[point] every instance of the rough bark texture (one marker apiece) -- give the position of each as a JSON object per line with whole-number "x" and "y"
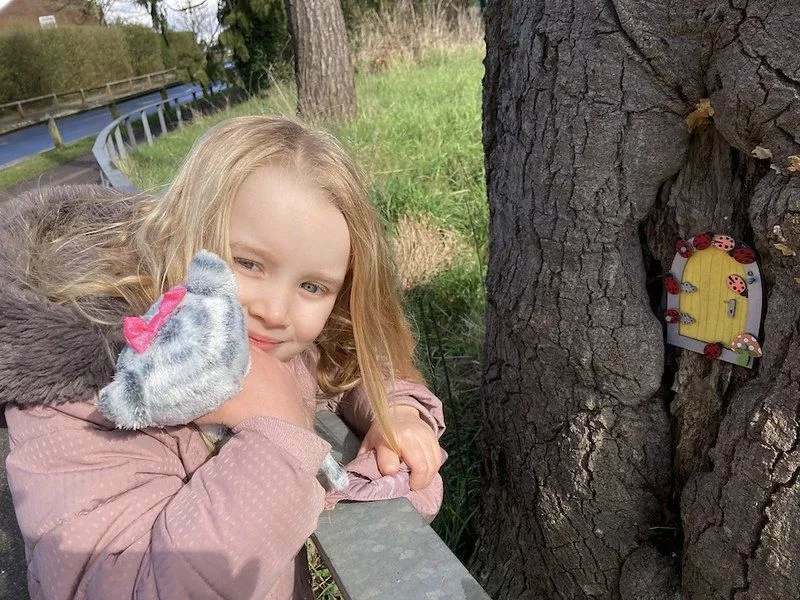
{"x": 616, "y": 467}
{"x": 322, "y": 59}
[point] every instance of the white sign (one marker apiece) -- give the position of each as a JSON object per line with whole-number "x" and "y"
{"x": 47, "y": 21}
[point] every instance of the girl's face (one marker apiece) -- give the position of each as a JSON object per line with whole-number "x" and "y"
{"x": 291, "y": 248}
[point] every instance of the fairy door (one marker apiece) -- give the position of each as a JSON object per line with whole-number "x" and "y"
{"x": 714, "y": 299}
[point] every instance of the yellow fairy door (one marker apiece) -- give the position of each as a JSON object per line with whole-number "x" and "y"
{"x": 714, "y": 297}
{"x": 719, "y": 312}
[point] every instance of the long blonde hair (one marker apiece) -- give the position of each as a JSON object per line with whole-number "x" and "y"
{"x": 367, "y": 339}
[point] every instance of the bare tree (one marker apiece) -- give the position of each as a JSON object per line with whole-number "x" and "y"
{"x": 617, "y": 467}
{"x": 158, "y": 15}
{"x": 199, "y": 17}
{"x": 323, "y": 61}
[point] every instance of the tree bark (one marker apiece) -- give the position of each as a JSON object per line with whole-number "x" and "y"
{"x": 322, "y": 59}
{"x": 616, "y": 467}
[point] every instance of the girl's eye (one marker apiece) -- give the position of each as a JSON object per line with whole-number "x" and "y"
{"x": 312, "y": 288}
{"x": 248, "y": 265}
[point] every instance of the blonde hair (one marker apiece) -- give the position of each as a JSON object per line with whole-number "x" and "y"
{"x": 367, "y": 339}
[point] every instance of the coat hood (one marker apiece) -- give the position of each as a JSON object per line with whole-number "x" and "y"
{"x": 52, "y": 353}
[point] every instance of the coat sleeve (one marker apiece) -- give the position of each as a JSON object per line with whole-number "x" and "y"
{"x": 367, "y": 483}
{"x": 354, "y": 407}
{"x": 104, "y": 510}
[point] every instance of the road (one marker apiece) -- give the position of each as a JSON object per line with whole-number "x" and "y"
{"x": 35, "y": 139}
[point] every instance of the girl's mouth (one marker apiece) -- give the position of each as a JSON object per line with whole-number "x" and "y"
{"x": 264, "y": 344}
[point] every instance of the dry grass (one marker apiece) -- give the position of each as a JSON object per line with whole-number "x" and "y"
{"x": 423, "y": 250}
{"x": 400, "y": 32}
{"x": 322, "y": 584}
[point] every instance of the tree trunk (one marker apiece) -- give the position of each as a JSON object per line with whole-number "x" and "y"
{"x": 616, "y": 467}
{"x": 323, "y": 64}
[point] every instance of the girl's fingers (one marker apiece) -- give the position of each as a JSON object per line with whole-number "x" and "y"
{"x": 420, "y": 478}
{"x": 421, "y": 467}
{"x": 388, "y": 461}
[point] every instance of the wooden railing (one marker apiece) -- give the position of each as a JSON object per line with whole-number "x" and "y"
{"x": 109, "y": 91}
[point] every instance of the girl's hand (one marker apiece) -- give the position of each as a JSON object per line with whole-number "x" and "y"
{"x": 269, "y": 390}
{"x": 419, "y": 448}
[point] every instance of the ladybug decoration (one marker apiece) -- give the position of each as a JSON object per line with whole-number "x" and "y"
{"x": 684, "y": 248}
{"x": 713, "y": 351}
{"x": 672, "y": 286}
{"x": 702, "y": 240}
{"x": 743, "y": 254}
{"x": 724, "y": 242}
{"x": 736, "y": 284}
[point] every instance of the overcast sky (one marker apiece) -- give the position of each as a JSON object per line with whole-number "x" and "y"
{"x": 204, "y": 12}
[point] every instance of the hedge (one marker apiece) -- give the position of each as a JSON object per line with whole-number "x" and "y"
{"x": 35, "y": 62}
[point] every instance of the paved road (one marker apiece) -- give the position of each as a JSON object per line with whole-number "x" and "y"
{"x": 83, "y": 169}
{"x": 35, "y": 139}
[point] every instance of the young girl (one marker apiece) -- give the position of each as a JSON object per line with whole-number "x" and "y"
{"x": 156, "y": 513}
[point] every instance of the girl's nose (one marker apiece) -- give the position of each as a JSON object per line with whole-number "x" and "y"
{"x": 272, "y": 310}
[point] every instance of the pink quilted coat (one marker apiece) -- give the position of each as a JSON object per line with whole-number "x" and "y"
{"x": 109, "y": 514}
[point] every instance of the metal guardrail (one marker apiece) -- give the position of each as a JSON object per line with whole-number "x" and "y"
{"x": 383, "y": 550}
{"x": 110, "y": 148}
{"x": 374, "y": 550}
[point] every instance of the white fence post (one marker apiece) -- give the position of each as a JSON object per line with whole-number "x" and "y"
{"x": 120, "y": 146}
{"x": 146, "y": 126}
{"x": 55, "y": 134}
{"x": 131, "y": 137}
{"x": 161, "y": 118}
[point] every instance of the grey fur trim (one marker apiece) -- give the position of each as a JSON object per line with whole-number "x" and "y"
{"x": 49, "y": 353}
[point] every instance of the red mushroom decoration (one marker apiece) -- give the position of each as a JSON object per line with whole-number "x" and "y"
{"x": 684, "y": 248}
{"x": 743, "y": 255}
{"x": 702, "y": 241}
{"x": 745, "y": 345}
{"x": 672, "y": 285}
{"x": 713, "y": 351}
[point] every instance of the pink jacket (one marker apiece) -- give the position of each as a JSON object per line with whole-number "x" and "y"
{"x": 110, "y": 514}
{"x": 149, "y": 515}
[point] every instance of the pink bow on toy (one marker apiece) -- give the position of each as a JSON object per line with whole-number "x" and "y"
{"x": 140, "y": 333}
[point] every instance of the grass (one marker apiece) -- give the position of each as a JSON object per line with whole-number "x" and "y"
{"x": 32, "y": 167}
{"x": 418, "y": 135}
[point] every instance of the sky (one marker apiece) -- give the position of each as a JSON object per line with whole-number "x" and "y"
{"x": 205, "y": 11}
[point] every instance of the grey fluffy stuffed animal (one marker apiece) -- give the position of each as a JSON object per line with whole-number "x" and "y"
{"x": 186, "y": 356}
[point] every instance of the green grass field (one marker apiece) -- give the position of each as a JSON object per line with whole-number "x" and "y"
{"x": 32, "y": 167}
{"x": 418, "y": 136}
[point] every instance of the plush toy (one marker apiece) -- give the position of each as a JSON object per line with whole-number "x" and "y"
{"x": 186, "y": 356}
